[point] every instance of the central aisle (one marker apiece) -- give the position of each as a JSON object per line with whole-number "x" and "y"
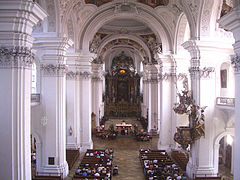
{"x": 126, "y": 155}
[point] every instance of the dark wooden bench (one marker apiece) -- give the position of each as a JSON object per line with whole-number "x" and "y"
{"x": 71, "y": 157}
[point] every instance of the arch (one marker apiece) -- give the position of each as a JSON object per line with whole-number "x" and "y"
{"x": 127, "y": 36}
{"x": 180, "y": 32}
{"x": 193, "y": 12}
{"x": 38, "y": 151}
{"x": 107, "y": 14}
{"x": 229, "y": 131}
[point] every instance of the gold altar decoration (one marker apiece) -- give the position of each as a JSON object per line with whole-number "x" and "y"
{"x": 187, "y": 135}
{"x": 122, "y": 96}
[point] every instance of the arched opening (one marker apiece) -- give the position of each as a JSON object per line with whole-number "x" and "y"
{"x": 35, "y": 155}
{"x": 225, "y": 155}
{"x": 182, "y": 34}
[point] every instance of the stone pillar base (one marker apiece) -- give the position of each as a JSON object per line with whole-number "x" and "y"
{"x": 193, "y": 171}
{"x": 86, "y": 145}
{"x": 72, "y": 146}
{"x": 56, "y": 170}
{"x": 164, "y": 147}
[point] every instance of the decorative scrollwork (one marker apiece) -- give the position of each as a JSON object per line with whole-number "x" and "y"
{"x": 17, "y": 57}
{"x": 196, "y": 129}
{"x": 236, "y": 62}
{"x": 205, "y": 72}
{"x": 95, "y": 43}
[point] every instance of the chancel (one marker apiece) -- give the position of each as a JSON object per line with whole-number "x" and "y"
{"x": 153, "y": 82}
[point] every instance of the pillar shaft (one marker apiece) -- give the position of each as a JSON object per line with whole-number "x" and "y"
{"x": 15, "y": 91}
{"x": 97, "y": 91}
{"x": 85, "y": 89}
{"x": 51, "y": 52}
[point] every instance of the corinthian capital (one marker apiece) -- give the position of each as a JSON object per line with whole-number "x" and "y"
{"x": 17, "y": 57}
{"x": 54, "y": 69}
{"x": 236, "y": 62}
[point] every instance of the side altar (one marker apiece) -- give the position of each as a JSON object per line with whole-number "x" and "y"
{"x": 122, "y": 96}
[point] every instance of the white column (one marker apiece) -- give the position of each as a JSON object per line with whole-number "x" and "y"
{"x": 236, "y": 62}
{"x": 152, "y": 98}
{"x": 53, "y": 97}
{"x": 16, "y": 23}
{"x": 159, "y": 101}
{"x": 85, "y": 88}
{"x": 201, "y": 152}
{"x": 231, "y": 21}
{"x": 97, "y": 90}
{"x": 145, "y": 97}
{"x": 73, "y": 110}
{"x": 165, "y": 134}
{"x": 232, "y": 159}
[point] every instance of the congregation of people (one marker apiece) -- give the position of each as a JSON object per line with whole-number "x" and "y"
{"x": 96, "y": 164}
{"x": 122, "y": 129}
{"x": 158, "y": 165}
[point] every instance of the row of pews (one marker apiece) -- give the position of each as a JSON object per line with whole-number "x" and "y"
{"x": 180, "y": 158}
{"x": 71, "y": 157}
{"x": 158, "y": 165}
{"x": 96, "y": 164}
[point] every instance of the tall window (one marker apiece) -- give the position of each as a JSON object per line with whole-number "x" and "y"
{"x": 34, "y": 78}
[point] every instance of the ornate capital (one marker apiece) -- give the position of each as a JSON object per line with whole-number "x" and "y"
{"x": 54, "y": 69}
{"x": 16, "y": 57}
{"x": 152, "y": 80}
{"x": 84, "y": 74}
{"x": 71, "y": 75}
{"x": 97, "y": 77}
{"x": 236, "y": 62}
{"x": 165, "y": 76}
{"x": 194, "y": 71}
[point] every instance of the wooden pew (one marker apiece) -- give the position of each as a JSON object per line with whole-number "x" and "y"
{"x": 71, "y": 157}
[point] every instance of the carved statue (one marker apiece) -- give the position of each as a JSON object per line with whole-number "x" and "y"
{"x": 196, "y": 129}
{"x": 95, "y": 43}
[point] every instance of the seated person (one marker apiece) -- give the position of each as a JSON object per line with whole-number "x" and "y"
{"x": 115, "y": 170}
{"x": 96, "y": 174}
{"x": 84, "y": 173}
{"x": 78, "y": 171}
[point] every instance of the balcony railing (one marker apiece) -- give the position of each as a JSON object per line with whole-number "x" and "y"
{"x": 35, "y": 98}
{"x": 224, "y": 101}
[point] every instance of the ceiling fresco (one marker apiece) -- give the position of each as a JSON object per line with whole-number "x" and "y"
{"x": 152, "y": 3}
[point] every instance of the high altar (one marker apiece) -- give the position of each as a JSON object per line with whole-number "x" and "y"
{"x": 122, "y": 97}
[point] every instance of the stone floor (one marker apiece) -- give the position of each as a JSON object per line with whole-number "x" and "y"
{"x": 125, "y": 153}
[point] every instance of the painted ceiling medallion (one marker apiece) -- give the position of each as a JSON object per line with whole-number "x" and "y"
{"x": 152, "y": 3}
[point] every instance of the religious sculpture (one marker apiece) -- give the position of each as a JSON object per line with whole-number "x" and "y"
{"x": 187, "y": 135}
